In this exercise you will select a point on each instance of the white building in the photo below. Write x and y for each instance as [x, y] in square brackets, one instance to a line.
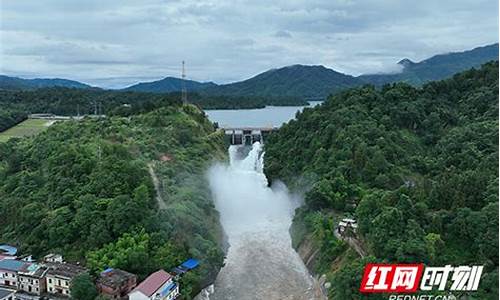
[60, 276]
[347, 224]
[31, 279]
[158, 286]
[8, 272]
[53, 258]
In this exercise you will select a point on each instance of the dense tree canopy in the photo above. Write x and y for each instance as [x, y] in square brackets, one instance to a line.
[83, 188]
[418, 169]
[83, 288]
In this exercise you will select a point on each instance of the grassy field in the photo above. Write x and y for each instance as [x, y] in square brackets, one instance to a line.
[25, 128]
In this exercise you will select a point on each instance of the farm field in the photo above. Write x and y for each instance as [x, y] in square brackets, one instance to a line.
[26, 128]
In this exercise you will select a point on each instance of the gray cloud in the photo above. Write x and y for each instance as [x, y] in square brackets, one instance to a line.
[116, 43]
[283, 34]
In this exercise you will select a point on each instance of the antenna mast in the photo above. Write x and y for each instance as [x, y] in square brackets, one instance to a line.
[184, 90]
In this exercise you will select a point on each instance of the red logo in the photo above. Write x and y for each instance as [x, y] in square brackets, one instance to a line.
[389, 278]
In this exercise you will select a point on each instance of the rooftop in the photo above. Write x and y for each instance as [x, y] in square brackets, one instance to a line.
[348, 220]
[34, 270]
[65, 270]
[4, 256]
[5, 292]
[190, 263]
[11, 264]
[52, 256]
[154, 281]
[114, 277]
[8, 249]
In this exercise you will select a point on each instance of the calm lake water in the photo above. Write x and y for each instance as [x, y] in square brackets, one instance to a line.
[270, 116]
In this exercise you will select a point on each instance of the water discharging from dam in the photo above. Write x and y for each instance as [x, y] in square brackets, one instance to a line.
[261, 263]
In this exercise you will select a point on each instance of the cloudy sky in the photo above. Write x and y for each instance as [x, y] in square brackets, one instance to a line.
[117, 43]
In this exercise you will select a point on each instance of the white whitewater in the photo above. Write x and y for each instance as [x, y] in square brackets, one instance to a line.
[261, 263]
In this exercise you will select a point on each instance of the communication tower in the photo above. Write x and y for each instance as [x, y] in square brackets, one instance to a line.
[184, 90]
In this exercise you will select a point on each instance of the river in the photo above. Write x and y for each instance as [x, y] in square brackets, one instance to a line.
[260, 263]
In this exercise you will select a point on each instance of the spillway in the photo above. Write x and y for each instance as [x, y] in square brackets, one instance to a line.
[260, 263]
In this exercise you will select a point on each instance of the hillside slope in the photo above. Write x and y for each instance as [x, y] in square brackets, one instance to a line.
[417, 168]
[82, 188]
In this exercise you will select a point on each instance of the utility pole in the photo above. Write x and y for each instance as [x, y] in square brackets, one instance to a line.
[184, 90]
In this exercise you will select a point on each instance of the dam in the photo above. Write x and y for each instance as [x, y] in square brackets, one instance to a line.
[247, 136]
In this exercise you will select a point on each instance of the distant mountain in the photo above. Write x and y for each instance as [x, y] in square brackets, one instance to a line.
[437, 67]
[168, 84]
[295, 81]
[317, 82]
[16, 83]
[310, 82]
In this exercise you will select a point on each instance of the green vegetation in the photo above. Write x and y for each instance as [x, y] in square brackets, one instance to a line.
[418, 169]
[437, 67]
[10, 117]
[83, 288]
[82, 188]
[25, 128]
[16, 83]
[305, 82]
[168, 85]
[71, 102]
[317, 82]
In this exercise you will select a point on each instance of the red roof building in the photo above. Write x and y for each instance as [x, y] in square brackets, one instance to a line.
[158, 286]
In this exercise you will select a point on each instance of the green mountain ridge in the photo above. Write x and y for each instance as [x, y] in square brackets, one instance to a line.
[299, 81]
[416, 167]
[16, 83]
[310, 82]
[437, 67]
[169, 84]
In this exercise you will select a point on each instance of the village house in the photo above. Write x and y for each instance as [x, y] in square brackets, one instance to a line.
[116, 284]
[8, 272]
[158, 286]
[31, 279]
[53, 258]
[59, 278]
[347, 225]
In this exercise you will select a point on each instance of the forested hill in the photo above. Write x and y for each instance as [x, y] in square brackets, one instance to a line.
[309, 82]
[317, 82]
[16, 83]
[437, 67]
[417, 168]
[83, 189]
[168, 85]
